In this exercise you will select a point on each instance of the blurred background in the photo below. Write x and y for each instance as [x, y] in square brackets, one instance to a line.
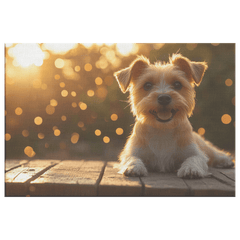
[62, 101]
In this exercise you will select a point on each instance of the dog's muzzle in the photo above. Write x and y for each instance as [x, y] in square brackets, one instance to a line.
[154, 113]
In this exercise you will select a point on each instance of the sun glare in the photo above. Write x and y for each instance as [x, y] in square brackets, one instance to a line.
[27, 54]
[127, 48]
[59, 48]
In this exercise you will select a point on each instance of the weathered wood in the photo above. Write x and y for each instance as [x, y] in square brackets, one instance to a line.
[88, 178]
[115, 184]
[11, 164]
[217, 173]
[69, 178]
[209, 187]
[230, 173]
[164, 184]
[17, 179]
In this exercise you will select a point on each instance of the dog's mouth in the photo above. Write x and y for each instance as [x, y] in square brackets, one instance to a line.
[164, 116]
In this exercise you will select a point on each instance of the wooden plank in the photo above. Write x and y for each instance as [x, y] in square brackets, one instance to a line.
[217, 173]
[17, 179]
[230, 173]
[209, 187]
[115, 184]
[164, 184]
[13, 163]
[69, 178]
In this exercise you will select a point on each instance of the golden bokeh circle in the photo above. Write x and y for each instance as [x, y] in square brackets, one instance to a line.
[228, 82]
[18, 111]
[226, 119]
[106, 139]
[201, 131]
[38, 120]
[7, 136]
[88, 67]
[119, 131]
[98, 132]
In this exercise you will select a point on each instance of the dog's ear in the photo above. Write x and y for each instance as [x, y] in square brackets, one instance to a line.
[193, 70]
[136, 68]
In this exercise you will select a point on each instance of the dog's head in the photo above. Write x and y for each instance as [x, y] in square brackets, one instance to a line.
[161, 94]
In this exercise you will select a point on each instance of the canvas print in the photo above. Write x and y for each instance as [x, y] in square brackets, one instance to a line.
[119, 119]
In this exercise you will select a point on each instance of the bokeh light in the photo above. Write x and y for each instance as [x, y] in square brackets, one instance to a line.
[119, 131]
[64, 93]
[60, 48]
[81, 124]
[90, 93]
[106, 139]
[74, 138]
[29, 151]
[25, 133]
[226, 119]
[114, 117]
[7, 136]
[50, 109]
[98, 81]
[74, 104]
[59, 63]
[38, 120]
[82, 105]
[63, 118]
[57, 77]
[41, 135]
[53, 102]
[201, 131]
[27, 54]
[62, 84]
[126, 48]
[73, 93]
[98, 132]
[18, 111]
[88, 67]
[77, 68]
[57, 132]
[228, 82]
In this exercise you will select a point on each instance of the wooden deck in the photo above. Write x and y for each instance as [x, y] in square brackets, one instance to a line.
[100, 178]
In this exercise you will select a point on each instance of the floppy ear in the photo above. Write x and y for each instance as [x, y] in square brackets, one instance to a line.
[136, 68]
[193, 70]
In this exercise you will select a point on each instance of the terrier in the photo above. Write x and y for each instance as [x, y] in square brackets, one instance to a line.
[162, 98]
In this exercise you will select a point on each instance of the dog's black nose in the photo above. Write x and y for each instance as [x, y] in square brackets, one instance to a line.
[164, 99]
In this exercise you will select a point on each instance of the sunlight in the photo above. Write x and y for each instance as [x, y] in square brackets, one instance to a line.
[59, 48]
[26, 55]
[126, 49]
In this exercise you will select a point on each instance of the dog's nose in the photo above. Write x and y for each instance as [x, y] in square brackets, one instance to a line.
[164, 99]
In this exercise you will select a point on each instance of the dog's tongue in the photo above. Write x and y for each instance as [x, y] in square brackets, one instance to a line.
[164, 115]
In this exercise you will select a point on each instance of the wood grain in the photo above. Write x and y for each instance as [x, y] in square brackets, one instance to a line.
[11, 164]
[164, 184]
[115, 184]
[17, 179]
[69, 178]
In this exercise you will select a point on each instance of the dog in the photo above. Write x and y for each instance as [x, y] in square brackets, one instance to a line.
[162, 98]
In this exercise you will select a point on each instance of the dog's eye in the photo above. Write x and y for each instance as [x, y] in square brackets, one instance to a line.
[177, 85]
[147, 86]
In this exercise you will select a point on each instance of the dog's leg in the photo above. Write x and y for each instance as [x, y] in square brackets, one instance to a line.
[195, 165]
[217, 158]
[133, 166]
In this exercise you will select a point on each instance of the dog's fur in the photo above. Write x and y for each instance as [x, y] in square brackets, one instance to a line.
[162, 98]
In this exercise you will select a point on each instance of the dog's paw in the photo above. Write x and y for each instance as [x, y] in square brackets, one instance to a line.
[134, 168]
[223, 162]
[190, 172]
[136, 171]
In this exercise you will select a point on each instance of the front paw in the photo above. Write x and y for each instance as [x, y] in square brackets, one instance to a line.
[193, 167]
[134, 167]
[190, 172]
[224, 162]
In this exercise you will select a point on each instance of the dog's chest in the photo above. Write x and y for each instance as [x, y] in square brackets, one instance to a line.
[163, 147]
